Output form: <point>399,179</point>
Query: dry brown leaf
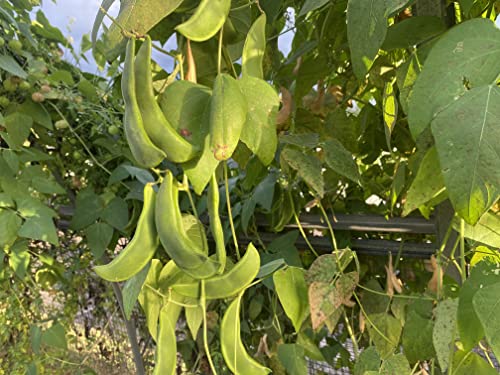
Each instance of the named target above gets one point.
<point>436,280</point>
<point>263,348</point>
<point>392,281</point>
<point>297,66</point>
<point>191,65</point>
<point>286,110</point>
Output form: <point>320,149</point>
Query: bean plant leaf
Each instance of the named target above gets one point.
<point>98,238</point>
<point>487,229</point>
<point>150,301</point>
<point>310,5</point>
<point>39,228</point>
<point>466,135</point>
<point>366,30</point>
<point>417,337</point>
<point>390,109</point>
<point>259,130</point>
<point>8,64</point>
<point>413,31</point>
<point>55,336</point>
<point>131,290</point>
<point>137,16</point>
<point>469,326</point>
<point>395,364</point>
<point>18,127</point>
<point>486,302</point>
<point>291,288</point>
<point>443,335</point>
<point>389,327</point>
<point>468,363</point>
<point>10,223</point>
<point>368,360</point>
<point>254,48</point>
<point>427,184</point>
<point>19,258</point>
<point>308,168</point>
<point>483,253</point>
<point>293,359</point>
<point>406,75</point>
<point>451,69</point>
<point>194,317</point>
<point>88,208</point>
<point>341,160</point>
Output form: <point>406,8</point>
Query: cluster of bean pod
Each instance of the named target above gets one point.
<point>190,278</point>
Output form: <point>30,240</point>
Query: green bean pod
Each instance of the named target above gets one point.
<point>143,149</point>
<point>228,114</point>
<point>166,345</point>
<point>237,358</point>
<point>188,257</point>
<point>206,20</point>
<point>228,284</point>
<point>163,135</point>
<point>141,248</point>
<point>215,223</point>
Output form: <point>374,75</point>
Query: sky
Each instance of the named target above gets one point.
<point>76,17</point>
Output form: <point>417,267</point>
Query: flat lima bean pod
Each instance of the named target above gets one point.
<point>237,358</point>
<point>166,348</point>
<point>228,284</point>
<point>215,223</point>
<point>178,246</point>
<point>143,149</point>
<point>141,248</point>
<point>163,135</point>
<point>206,20</point>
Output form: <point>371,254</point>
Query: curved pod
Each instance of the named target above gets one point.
<point>140,250</point>
<point>143,150</point>
<point>228,284</point>
<point>166,345</point>
<point>228,114</point>
<point>163,135</point>
<point>237,358</point>
<point>178,246</point>
<point>215,223</point>
<point>206,20</point>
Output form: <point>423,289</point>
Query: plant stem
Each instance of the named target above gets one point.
<point>219,51</point>
<point>203,303</point>
<point>229,211</point>
<point>462,250</point>
<point>355,345</point>
<point>301,228</point>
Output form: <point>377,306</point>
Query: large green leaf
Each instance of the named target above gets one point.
<point>308,168</point>
<point>487,229</point>
<point>18,127</point>
<point>469,326</point>
<point>116,213</point>
<point>293,359</point>
<point>292,293</point>
<point>131,290</point>
<point>8,64</point>
<point>88,208</point>
<point>470,363</point>
<point>417,337</point>
<point>413,31</point>
<point>366,30</point>
<point>9,225</point>
<point>443,335</point>
<point>395,364</point>
<point>486,303</point>
<point>98,237</point>
<point>19,258</point>
<point>452,67</point>
<point>149,300</point>
<point>427,184</point>
<point>39,228</point>
<point>389,327</point>
<point>368,360</point>
<point>341,160</point>
<point>259,131</point>
<point>138,16</point>
<point>467,139</point>
<point>55,336</point>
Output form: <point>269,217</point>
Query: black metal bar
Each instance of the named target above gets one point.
<point>364,223</point>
